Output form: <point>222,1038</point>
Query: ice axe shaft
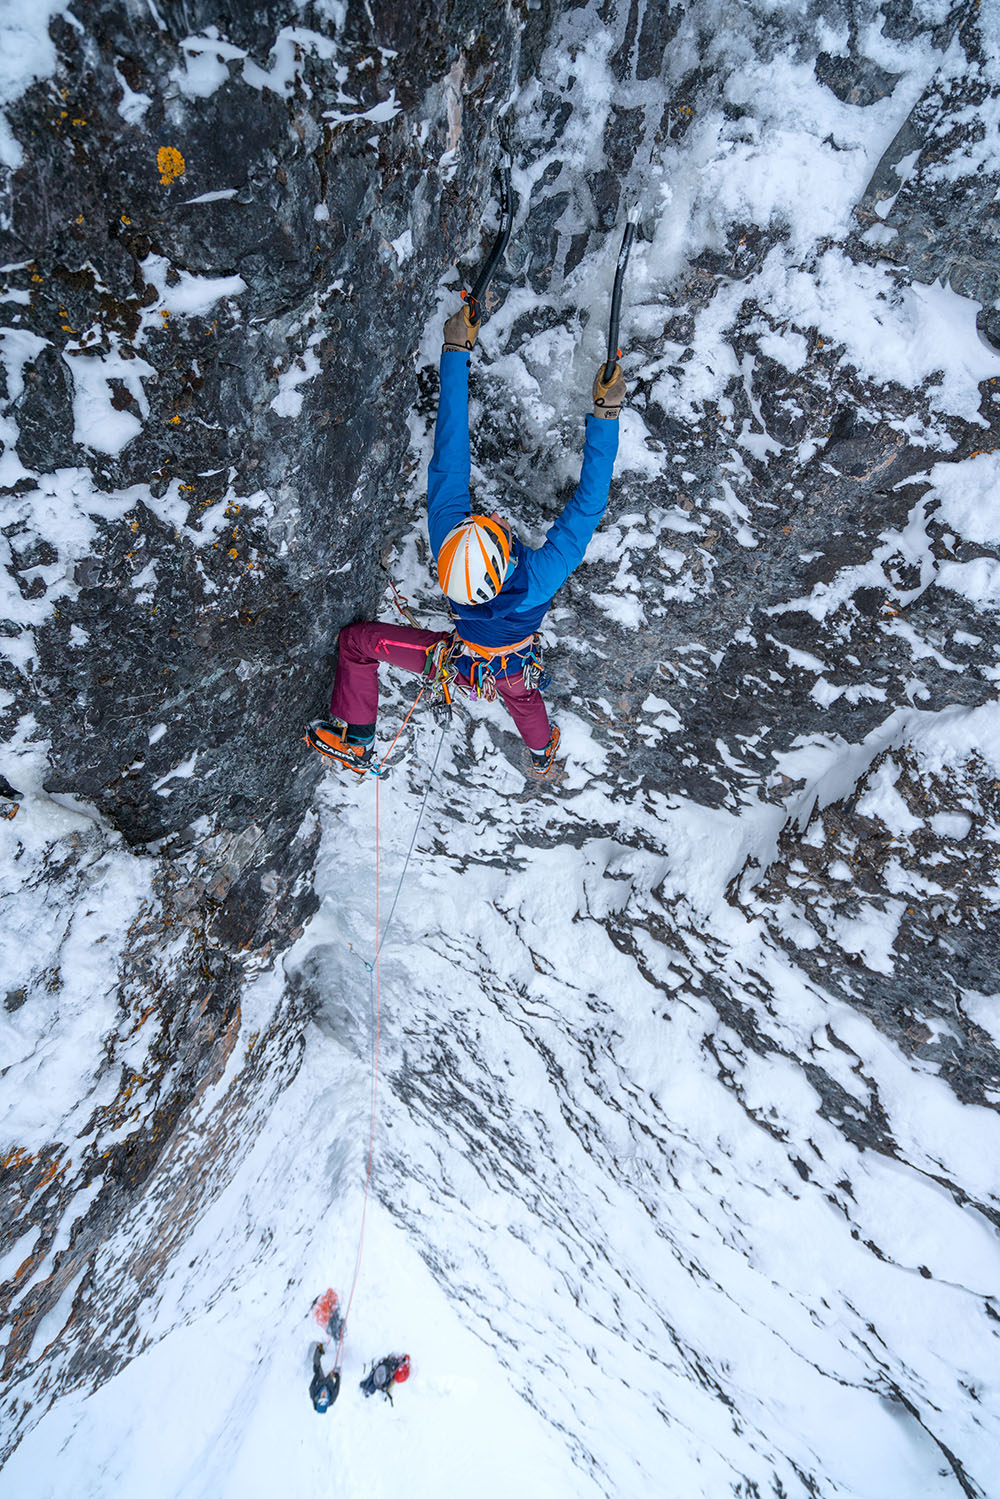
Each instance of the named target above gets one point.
<point>616,297</point>
<point>474,298</point>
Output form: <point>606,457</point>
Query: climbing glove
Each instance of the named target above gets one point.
<point>609,397</point>
<point>460,331</point>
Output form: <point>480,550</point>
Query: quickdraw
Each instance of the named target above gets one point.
<point>482,682</point>
<point>534,671</point>
<point>439,674</point>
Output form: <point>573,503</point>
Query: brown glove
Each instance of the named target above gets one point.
<point>609,397</point>
<point>460,331</point>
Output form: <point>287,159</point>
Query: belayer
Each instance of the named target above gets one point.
<point>500,590</point>
<point>324,1388</point>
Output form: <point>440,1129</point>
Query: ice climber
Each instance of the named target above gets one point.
<point>324,1388</point>
<point>393,1369</point>
<point>499,589</point>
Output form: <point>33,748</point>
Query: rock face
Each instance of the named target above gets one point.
<point>224,241</point>
<point>223,235</point>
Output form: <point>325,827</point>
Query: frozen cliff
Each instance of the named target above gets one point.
<point>689,1077</point>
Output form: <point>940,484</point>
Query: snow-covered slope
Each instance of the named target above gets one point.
<point>687,1111</point>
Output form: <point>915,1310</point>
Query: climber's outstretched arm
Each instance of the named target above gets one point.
<point>448,500</point>
<point>562,551</point>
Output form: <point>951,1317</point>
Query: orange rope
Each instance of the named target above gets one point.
<point>377,1002</point>
<point>380,765</point>
<point>371,1133</point>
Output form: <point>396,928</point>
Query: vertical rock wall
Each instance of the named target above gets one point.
<point>223,231</point>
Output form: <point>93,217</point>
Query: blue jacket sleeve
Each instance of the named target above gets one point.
<point>448,499</point>
<point>563,548</point>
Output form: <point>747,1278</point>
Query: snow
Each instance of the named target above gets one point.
<point>132,106</point>
<point>187,295</point>
<point>207,58</point>
<point>378,114</point>
<point>27,54</point>
<point>613,1220</point>
<point>916,335</point>
<point>97,424</point>
<point>52,1046</point>
<point>288,402</point>
<point>966,495</point>
<point>883,801</point>
<point>206,62</point>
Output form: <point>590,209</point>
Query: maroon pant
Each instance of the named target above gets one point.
<point>363,646</point>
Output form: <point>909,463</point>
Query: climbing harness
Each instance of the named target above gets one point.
<point>614,352</point>
<point>482,664</point>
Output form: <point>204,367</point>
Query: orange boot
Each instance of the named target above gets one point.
<point>333,738</point>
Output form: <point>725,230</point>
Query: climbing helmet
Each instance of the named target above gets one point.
<point>472,562</point>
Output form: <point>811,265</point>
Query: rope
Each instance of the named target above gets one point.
<point>381,763</point>
<point>374,969</point>
<point>413,840</point>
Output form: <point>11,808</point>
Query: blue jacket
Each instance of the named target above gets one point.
<point>534,575</point>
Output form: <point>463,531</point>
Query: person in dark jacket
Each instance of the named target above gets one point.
<point>499,590</point>
<point>393,1369</point>
<point>324,1388</point>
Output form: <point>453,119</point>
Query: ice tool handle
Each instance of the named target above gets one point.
<point>608,373</point>
<point>474,298</point>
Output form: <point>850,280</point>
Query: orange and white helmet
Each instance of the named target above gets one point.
<point>472,562</point>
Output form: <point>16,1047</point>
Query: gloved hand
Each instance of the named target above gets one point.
<point>609,398</point>
<point>460,331</point>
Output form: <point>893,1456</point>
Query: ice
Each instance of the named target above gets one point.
<point>614,1219</point>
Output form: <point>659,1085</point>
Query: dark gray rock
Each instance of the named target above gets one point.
<point>213,665</point>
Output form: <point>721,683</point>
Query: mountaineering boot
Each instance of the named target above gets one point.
<point>542,760</point>
<point>347,744</point>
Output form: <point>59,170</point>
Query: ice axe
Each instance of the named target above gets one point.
<point>614,352</point>
<point>474,298</point>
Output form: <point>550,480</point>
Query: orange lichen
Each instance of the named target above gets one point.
<point>53,1169</point>
<point>170,163</point>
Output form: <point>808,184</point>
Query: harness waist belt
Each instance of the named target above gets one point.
<point>496,650</point>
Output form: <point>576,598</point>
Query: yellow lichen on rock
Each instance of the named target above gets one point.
<point>171,164</point>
